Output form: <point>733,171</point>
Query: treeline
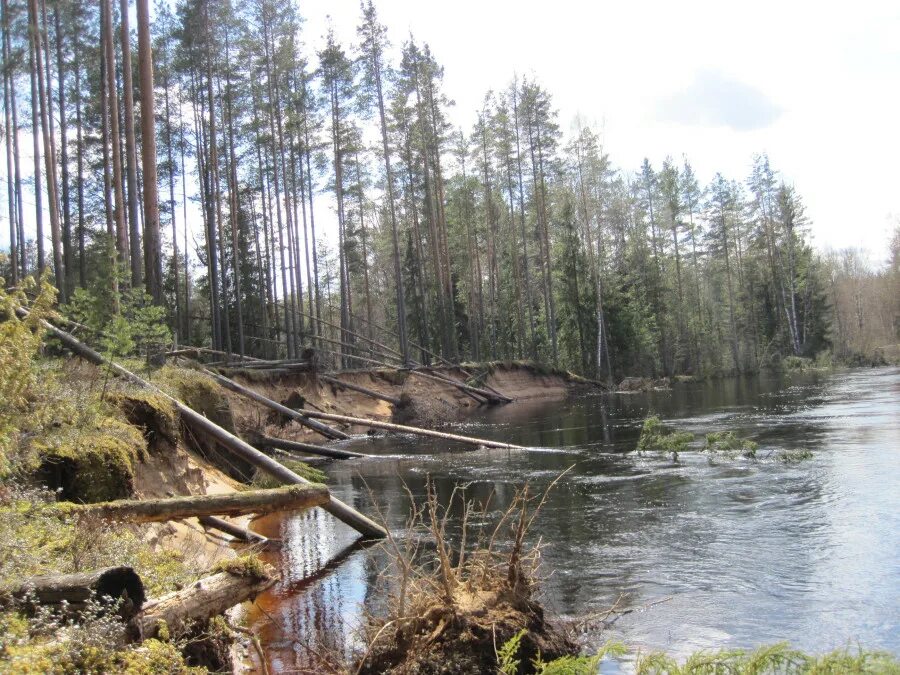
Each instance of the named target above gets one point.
<point>508,240</point>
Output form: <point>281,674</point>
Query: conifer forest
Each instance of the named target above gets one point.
<point>266,202</point>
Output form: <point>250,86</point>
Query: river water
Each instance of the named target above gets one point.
<point>724,553</point>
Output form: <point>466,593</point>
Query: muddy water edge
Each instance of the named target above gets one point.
<point>743,551</point>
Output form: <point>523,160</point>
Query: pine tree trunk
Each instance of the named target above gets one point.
<point>10,190</point>
<point>152,244</point>
<point>114,136</point>
<point>35,137</point>
<point>395,239</point>
<point>134,232</point>
<point>49,159</point>
<point>68,262</point>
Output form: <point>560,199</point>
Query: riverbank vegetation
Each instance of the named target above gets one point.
<point>84,435</point>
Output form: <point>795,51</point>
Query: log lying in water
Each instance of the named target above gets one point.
<point>303,419</point>
<point>294,446</point>
<point>201,600</point>
<point>393,400</point>
<point>403,429</point>
<point>74,591</point>
<point>365,526</point>
<point>232,504</point>
<point>236,531</point>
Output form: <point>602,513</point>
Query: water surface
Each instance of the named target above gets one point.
<point>740,552</point>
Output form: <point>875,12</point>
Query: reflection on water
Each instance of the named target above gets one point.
<point>749,551</point>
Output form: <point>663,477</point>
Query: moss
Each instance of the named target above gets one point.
<point>153,413</point>
<point>656,437</point>
<point>37,537</point>
<point>77,653</point>
<point>302,469</point>
<point>727,442</point>
<point>199,392</point>
<point>248,565</point>
<point>93,464</point>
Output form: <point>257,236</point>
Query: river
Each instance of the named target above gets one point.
<point>721,553</point>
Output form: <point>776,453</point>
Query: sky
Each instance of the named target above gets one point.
<point>816,85</point>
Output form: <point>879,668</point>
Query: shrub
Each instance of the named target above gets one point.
<point>656,437</point>
<point>20,340</point>
<point>728,443</point>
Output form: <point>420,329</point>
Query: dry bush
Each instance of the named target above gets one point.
<point>453,600</point>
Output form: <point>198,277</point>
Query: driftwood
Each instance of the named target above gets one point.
<point>334,506</point>
<point>73,592</point>
<point>231,504</point>
<point>303,419</point>
<point>236,531</point>
<point>393,400</point>
<point>403,429</point>
<point>294,446</point>
<point>201,600</point>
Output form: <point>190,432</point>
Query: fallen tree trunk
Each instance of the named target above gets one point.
<point>403,429</point>
<point>294,446</point>
<point>491,394</point>
<point>73,592</point>
<point>196,351</point>
<point>201,600</point>
<point>469,391</point>
<point>231,504</point>
<point>284,363</point>
<point>334,506</point>
<point>236,531</point>
<point>303,419</point>
<point>393,400</point>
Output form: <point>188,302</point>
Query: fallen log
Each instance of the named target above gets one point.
<point>484,391</point>
<point>303,419</point>
<point>286,498</point>
<point>203,599</point>
<point>365,526</point>
<point>362,359</point>
<point>294,446</point>
<point>195,351</point>
<point>393,400</point>
<point>283,363</point>
<point>466,389</point>
<point>73,592</point>
<point>236,531</point>
<point>403,429</point>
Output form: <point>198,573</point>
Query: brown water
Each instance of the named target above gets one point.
<point>749,552</point>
